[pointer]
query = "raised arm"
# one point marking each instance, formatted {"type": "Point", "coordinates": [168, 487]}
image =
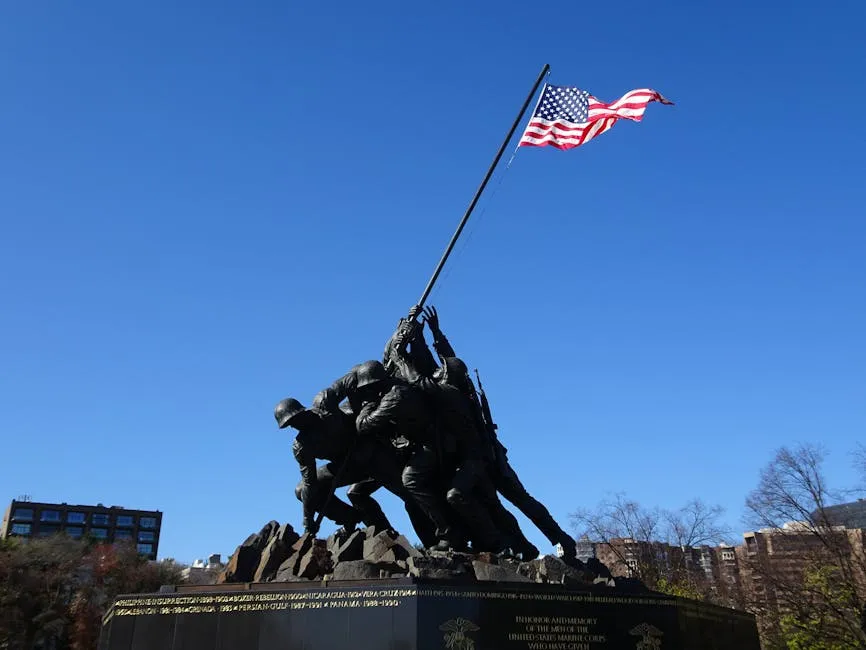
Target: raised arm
{"type": "Point", "coordinates": [329, 399]}
{"type": "Point", "coordinates": [408, 344]}
{"type": "Point", "coordinates": [440, 343]}
{"type": "Point", "coordinates": [379, 418]}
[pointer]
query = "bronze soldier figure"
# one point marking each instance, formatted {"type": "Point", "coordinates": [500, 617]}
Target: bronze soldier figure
{"type": "Point", "coordinates": [410, 337]}
{"type": "Point", "coordinates": [472, 493]}
{"type": "Point", "coordinates": [400, 413]}
{"type": "Point", "coordinates": [328, 436]}
{"type": "Point", "coordinates": [366, 465]}
{"type": "Point", "coordinates": [366, 383]}
{"type": "Point", "coordinates": [503, 474]}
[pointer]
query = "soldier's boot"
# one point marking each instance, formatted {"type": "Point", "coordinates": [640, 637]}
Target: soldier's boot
{"type": "Point", "coordinates": [449, 542]}
{"type": "Point", "coordinates": [345, 530]}
{"type": "Point", "coordinates": [527, 552]}
{"type": "Point", "coordinates": [569, 550]}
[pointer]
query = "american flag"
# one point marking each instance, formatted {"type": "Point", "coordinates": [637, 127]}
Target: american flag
{"type": "Point", "coordinates": [567, 117]}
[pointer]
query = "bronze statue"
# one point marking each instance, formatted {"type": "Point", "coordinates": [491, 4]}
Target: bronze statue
{"type": "Point", "coordinates": [421, 430]}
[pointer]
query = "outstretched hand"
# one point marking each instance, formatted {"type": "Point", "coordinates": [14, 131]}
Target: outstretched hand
{"type": "Point", "coordinates": [431, 318]}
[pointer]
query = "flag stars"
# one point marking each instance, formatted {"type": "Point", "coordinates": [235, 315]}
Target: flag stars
{"type": "Point", "coordinates": [565, 103]}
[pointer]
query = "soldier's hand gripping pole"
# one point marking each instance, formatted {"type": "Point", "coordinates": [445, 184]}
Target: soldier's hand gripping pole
{"type": "Point", "coordinates": [478, 192]}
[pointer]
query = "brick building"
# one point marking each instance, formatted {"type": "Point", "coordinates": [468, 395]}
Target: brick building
{"type": "Point", "coordinates": [773, 562]}
{"type": "Point", "coordinates": [27, 519]}
{"type": "Point", "coordinates": [713, 570]}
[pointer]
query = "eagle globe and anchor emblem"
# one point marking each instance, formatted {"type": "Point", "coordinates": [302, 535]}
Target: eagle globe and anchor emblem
{"type": "Point", "coordinates": [456, 631]}
{"type": "Point", "coordinates": [651, 637]}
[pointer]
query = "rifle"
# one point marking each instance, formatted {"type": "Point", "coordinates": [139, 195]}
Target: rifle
{"type": "Point", "coordinates": [489, 424]}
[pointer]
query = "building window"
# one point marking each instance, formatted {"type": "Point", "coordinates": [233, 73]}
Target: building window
{"type": "Point", "coordinates": [99, 520]}
{"type": "Point", "coordinates": [125, 520]}
{"type": "Point", "coordinates": [727, 555]}
{"type": "Point", "coordinates": [50, 515]}
{"type": "Point", "coordinates": [20, 529]}
{"type": "Point", "coordinates": [147, 549]}
{"type": "Point", "coordinates": [145, 536]}
{"type": "Point", "coordinates": [99, 533]}
{"type": "Point", "coordinates": [147, 522]}
{"type": "Point", "coordinates": [22, 514]}
{"type": "Point", "coordinates": [122, 534]}
{"type": "Point", "coordinates": [48, 529]}
{"type": "Point", "coordinates": [75, 532]}
{"type": "Point", "coordinates": [75, 517]}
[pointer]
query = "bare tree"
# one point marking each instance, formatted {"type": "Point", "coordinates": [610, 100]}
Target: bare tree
{"type": "Point", "coordinates": [696, 524]}
{"type": "Point", "coordinates": [655, 545]}
{"type": "Point", "coordinates": [818, 601]}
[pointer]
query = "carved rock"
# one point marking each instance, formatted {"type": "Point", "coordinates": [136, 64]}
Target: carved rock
{"type": "Point", "coordinates": [241, 566]}
{"type": "Point", "coordinates": [485, 571]}
{"type": "Point", "coordinates": [406, 546]}
{"type": "Point", "coordinates": [277, 551]}
{"type": "Point", "coordinates": [393, 555]}
{"type": "Point", "coordinates": [267, 533]}
{"type": "Point", "coordinates": [339, 538]}
{"type": "Point", "coordinates": [288, 576]}
{"type": "Point", "coordinates": [552, 570]}
{"type": "Point", "coordinates": [351, 549]}
{"type": "Point", "coordinates": [371, 531]}
{"type": "Point", "coordinates": [529, 570]}
{"type": "Point", "coordinates": [316, 562]}
{"type": "Point", "coordinates": [486, 556]}
{"type": "Point", "coordinates": [375, 547]}
{"type": "Point", "coordinates": [355, 570]}
{"type": "Point", "coordinates": [440, 566]}
{"type": "Point", "coordinates": [243, 563]}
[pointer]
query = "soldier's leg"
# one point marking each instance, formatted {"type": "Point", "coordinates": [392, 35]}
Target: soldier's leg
{"type": "Point", "coordinates": [387, 467]}
{"type": "Point", "coordinates": [421, 523]}
{"type": "Point", "coordinates": [468, 501]}
{"type": "Point", "coordinates": [361, 496]}
{"type": "Point", "coordinates": [512, 536]}
{"type": "Point", "coordinates": [509, 486]}
{"type": "Point", "coordinates": [337, 510]}
{"type": "Point", "coordinates": [419, 477]}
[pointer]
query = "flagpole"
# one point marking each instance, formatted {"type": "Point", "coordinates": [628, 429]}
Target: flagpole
{"type": "Point", "coordinates": [481, 187]}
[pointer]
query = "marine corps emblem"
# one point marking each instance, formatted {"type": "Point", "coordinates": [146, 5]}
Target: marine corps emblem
{"type": "Point", "coordinates": [651, 637]}
{"type": "Point", "coordinates": [456, 634]}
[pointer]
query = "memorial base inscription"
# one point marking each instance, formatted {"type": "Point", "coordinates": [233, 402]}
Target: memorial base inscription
{"type": "Point", "coordinates": [409, 614]}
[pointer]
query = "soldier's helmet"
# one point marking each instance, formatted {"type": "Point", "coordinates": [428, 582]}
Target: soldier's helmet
{"type": "Point", "coordinates": [370, 373]}
{"type": "Point", "coordinates": [454, 372]}
{"type": "Point", "coordinates": [287, 409]}
{"type": "Point", "coordinates": [455, 367]}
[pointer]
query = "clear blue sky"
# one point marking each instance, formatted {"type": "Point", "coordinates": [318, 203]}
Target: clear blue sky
{"type": "Point", "coordinates": [206, 207]}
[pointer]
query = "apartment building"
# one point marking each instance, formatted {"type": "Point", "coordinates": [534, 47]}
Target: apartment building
{"type": "Point", "coordinates": [28, 519]}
